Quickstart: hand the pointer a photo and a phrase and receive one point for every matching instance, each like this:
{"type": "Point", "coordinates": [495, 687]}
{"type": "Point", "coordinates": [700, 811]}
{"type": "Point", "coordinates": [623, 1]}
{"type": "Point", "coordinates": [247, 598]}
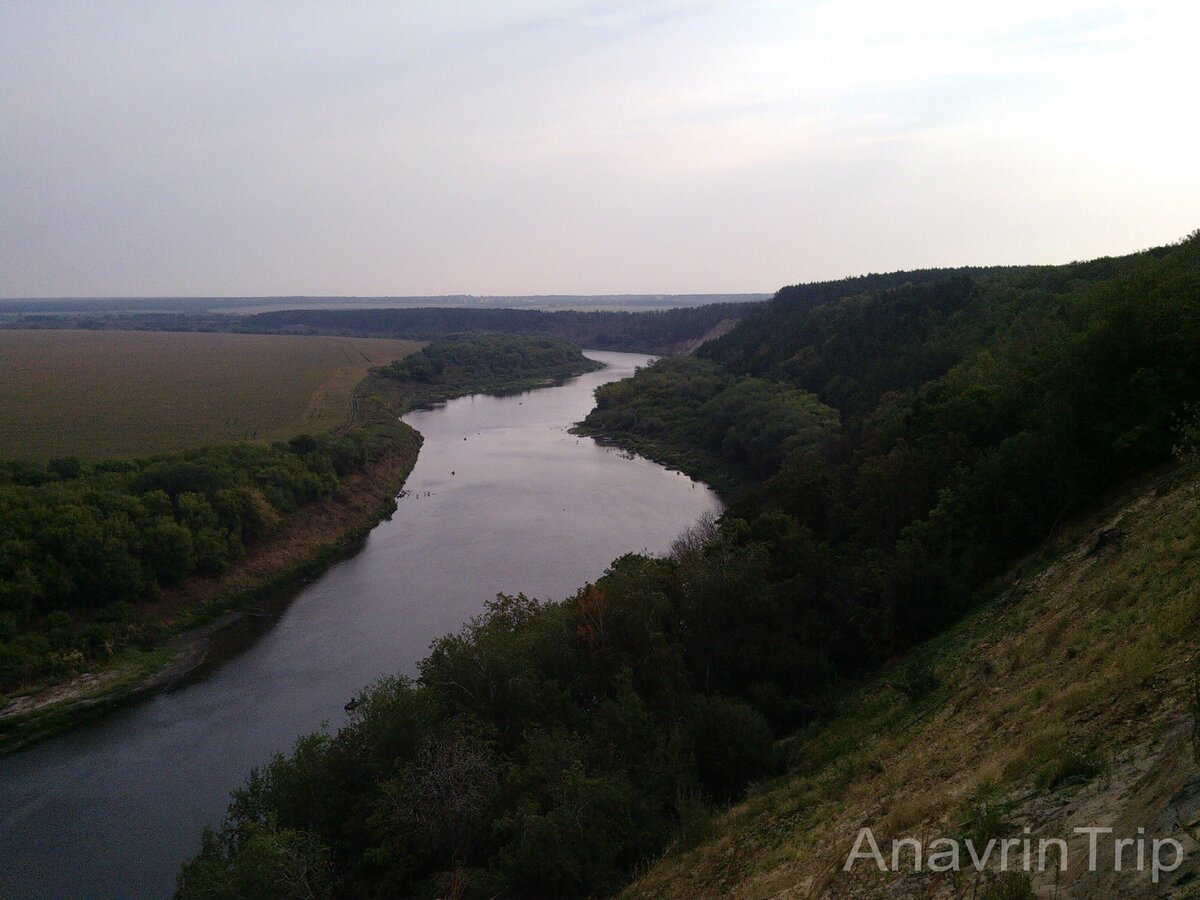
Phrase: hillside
{"type": "Point", "coordinates": [1066, 701]}
{"type": "Point", "coordinates": [890, 446]}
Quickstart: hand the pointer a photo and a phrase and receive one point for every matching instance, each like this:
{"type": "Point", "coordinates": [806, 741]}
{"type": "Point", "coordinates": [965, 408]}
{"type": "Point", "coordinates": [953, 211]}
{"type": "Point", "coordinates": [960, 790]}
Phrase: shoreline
{"type": "Point", "coordinates": [189, 617]}
{"type": "Point", "coordinates": [195, 612]}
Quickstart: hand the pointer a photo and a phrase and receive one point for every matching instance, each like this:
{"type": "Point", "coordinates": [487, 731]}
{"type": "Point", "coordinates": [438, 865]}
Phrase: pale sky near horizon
{"type": "Point", "coordinates": [164, 148]}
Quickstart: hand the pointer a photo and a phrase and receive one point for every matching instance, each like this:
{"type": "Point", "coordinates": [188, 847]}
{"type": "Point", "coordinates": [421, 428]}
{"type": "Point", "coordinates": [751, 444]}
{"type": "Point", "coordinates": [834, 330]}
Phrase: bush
{"type": "Point", "coordinates": [1069, 768]}
{"type": "Point", "coordinates": [732, 744]}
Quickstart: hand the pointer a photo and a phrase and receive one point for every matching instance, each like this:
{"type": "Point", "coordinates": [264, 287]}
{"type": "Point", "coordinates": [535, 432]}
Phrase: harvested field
{"type": "Point", "coordinates": [96, 394]}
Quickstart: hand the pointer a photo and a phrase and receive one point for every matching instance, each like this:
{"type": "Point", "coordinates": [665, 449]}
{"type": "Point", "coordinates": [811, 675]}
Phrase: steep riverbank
{"type": "Point", "coordinates": [190, 614]}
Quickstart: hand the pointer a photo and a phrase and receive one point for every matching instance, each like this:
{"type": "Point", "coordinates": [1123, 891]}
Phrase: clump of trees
{"type": "Point", "coordinates": [751, 424]}
{"type": "Point", "coordinates": [477, 362]}
{"type": "Point", "coordinates": [543, 751]}
{"type": "Point", "coordinates": [81, 543]}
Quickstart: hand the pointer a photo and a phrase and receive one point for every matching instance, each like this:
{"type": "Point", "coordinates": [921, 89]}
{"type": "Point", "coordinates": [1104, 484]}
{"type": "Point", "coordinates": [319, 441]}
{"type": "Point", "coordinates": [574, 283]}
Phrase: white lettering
{"type": "Point", "coordinates": [1092, 834]}
{"type": "Point", "coordinates": [935, 855]}
{"type": "Point", "coordinates": [906, 842]}
{"type": "Point", "coordinates": [1156, 864]}
{"type": "Point", "coordinates": [976, 861]}
{"type": "Point", "coordinates": [858, 853]}
{"type": "Point", "coordinates": [1044, 846]}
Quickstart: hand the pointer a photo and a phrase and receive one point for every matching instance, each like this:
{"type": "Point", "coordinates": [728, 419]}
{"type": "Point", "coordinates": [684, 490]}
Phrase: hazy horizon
{"type": "Point", "coordinates": [520, 149]}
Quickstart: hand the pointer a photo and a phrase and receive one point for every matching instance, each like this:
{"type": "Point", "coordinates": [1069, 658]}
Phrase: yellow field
{"type": "Point", "coordinates": [96, 394]}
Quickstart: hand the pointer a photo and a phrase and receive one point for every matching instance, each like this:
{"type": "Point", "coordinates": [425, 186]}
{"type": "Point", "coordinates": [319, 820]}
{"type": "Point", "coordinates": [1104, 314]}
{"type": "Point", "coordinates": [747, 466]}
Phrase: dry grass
{"type": "Point", "coordinates": [1067, 702]}
{"type": "Point", "coordinates": [95, 394]}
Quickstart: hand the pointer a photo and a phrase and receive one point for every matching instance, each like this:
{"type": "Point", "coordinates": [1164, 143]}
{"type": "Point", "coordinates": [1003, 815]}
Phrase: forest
{"type": "Point", "coordinates": [889, 445]}
{"type": "Point", "coordinates": [458, 364]}
{"type": "Point", "coordinates": [648, 331]}
{"type": "Point", "coordinates": [82, 544]}
{"type": "Point", "coordinates": [655, 331]}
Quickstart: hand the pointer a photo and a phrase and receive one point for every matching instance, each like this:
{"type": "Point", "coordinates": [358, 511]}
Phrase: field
{"type": "Point", "coordinates": [95, 394]}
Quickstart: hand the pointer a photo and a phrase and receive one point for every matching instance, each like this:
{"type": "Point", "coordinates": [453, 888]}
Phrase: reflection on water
{"type": "Point", "coordinates": [502, 498]}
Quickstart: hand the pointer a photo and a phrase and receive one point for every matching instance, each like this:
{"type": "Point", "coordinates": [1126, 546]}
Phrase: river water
{"type": "Point", "coordinates": [502, 498]}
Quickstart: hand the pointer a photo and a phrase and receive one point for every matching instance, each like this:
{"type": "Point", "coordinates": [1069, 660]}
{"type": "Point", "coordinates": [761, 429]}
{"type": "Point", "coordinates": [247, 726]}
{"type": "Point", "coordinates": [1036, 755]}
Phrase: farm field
{"type": "Point", "coordinates": [95, 394]}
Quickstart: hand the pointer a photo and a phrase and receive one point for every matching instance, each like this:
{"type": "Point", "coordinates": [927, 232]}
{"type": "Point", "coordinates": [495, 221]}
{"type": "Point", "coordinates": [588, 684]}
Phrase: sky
{"type": "Point", "coordinates": [252, 148]}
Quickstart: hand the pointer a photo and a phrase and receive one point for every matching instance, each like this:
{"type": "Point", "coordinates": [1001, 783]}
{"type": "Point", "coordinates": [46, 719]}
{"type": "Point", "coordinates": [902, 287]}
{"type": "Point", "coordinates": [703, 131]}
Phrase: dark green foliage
{"type": "Point", "coordinates": [267, 862]}
{"type": "Point", "coordinates": [916, 680]}
{"type": "Point", "coordinates": [979, 408]}
{"type": "Point", "coordinates": [544, 751]}
{"type": "Point", "coordinates": [730, 740]}
{"type": "Point", "coordinates": [84, 541]}
{"type": "Point", "coordinates": [473, 362]}
{"type": "Point", "coordinates": [751, 424]}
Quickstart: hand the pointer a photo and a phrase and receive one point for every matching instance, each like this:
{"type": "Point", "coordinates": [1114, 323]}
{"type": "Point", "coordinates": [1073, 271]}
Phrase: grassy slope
{"type": "Point", "coordinates": [1067, 700]}
{"type": "Point", "coordinates": [98, 394]}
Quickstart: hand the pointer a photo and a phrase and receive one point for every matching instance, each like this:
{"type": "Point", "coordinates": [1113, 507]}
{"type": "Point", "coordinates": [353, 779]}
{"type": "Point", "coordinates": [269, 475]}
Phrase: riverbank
{"type": "Point", "coordinates": [116, 806]}
{"type": "Point", "coordinates": [166, 638]}
{"type": "Point", "coordinates": [184, 622]}
{"type": "Point", "coordinates": [729, 483]}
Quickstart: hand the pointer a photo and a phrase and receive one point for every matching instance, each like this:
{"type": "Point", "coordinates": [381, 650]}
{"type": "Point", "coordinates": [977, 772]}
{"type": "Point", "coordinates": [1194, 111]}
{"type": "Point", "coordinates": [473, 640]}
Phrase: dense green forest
{"type": "Point", "coordinates": [891, 444]}
{"type": "Point", "coordinates": [652, 331]}
{"type": "Point", "coordinates": [81, 543]}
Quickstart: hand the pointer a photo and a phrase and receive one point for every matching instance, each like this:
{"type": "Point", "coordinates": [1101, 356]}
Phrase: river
{"type": "Point", "coordinates": [502, 498]}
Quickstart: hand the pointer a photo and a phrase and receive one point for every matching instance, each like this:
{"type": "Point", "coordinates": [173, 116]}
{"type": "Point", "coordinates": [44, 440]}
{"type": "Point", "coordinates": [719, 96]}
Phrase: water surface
{"type": "Point", "coordinates": [502, 498]}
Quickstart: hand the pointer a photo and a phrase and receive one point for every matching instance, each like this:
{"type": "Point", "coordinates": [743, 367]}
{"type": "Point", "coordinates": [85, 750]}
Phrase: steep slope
{"type": "Point", "coordinates": [1067, 701]}
{"type": "Point", "coordinates": [890, 454]}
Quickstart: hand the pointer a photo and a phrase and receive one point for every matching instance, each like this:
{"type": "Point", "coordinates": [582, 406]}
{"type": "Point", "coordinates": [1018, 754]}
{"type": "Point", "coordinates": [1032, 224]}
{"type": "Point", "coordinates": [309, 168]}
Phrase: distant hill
{"type": "Point", "coordinates": [198, 305]}
{"type": "Point", "coordinates": [659, 331]}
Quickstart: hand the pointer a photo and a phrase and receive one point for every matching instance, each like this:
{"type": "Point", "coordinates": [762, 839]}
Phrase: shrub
{"type": "Point", "coordinates": [733, 746]}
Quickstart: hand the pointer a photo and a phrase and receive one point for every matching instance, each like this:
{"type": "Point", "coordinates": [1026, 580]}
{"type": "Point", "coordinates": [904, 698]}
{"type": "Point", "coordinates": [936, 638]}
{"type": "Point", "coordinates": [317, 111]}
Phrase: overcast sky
{"type": "Point", "coordinates": [242, 148]}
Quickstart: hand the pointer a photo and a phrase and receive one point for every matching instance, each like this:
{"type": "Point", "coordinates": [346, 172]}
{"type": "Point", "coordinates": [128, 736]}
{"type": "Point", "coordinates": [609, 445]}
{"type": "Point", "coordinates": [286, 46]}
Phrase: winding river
{"type": "Point", "coordinates": [502, 498]}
